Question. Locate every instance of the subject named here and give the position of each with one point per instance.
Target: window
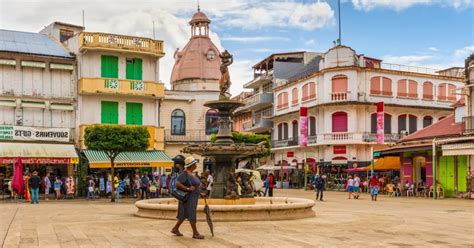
(381, 86)
(309, 91)
(283, 131)
(387, 123)
(109, 112)
(134, 69)
(339, 84)
(134, 113)
(178, 122)
(282, 100)
(427, 120)
(294, 127)
(427, 91)
(407, 88)
(402, 123)
(339, 122)
(212, 121)
(446, 92)
(312, 126)
(294, 96)
(109, 66)
(65, 34)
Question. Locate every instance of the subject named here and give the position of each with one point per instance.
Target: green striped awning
(99, 159)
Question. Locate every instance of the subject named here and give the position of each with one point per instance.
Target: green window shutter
(109, 112)
(134, 69)
(129, 69)
(134, 115)
(109, 66)
(138, 69)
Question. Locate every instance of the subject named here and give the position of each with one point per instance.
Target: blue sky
(430, 33)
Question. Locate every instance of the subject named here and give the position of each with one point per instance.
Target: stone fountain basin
(263, 208)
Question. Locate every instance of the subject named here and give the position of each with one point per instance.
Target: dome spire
(199, 8)
(199, 24)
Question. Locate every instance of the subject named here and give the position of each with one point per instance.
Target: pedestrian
(57, 187)
(101, 185)
(127, 185)
(91, 189)
(47, 186)
(210, 181)
(144, 184)
(350, 186)
(374, 187)
(163, 184)
(356, 186)
(271, 184)
(265, 184)
(188, 182)
(34, 184)
(136, 186)
(319, 187)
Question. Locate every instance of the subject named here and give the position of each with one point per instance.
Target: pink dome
(199, 17)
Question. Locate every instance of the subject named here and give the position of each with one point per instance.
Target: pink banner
(380, 123)
(303, 127)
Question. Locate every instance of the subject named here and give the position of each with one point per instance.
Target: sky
(429, 33)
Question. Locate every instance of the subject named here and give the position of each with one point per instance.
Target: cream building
(194, 81)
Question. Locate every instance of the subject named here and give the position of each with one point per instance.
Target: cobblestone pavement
(339, 222)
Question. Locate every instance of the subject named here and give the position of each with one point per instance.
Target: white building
(341, 98)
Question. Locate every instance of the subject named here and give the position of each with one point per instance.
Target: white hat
(189, 161)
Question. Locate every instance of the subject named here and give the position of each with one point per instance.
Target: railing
(408, 68)
(468, 124)
(114, 41)
(313, 139)
(285, 143)
(339, 96)
(380, 93)
(388, 137)
(337, 136)
(259, 77)
(265, 98)
(187, 136)
(428, 97)
(261, 124)
(310, 97)
(247, 125)
(121, 86)
(447, 98)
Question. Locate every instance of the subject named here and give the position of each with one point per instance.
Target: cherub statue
(246, 188)
(231, 187)
(224, 83)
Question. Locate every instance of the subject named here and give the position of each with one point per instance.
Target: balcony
(259, 101)
(190, 136)
(262, 125)
(339, 96)
(312, 139)
(259, 80)
(156, 139)
(120, 43)
(285, 143)
(468, 125)
(388, 137)
(126, 87)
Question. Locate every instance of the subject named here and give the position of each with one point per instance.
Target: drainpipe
(434, 168)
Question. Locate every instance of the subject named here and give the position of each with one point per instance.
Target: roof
(31, 43)
(153, 158)
(443, 128)
(277, 56)
(459, 102)
(401, 148)
(199, 17)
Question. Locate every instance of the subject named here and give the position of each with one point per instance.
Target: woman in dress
(188, 182)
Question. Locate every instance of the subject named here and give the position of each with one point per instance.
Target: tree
(115, 139)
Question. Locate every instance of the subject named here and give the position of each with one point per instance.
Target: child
(57, 187)
(91, 189)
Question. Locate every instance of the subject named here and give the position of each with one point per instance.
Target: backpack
(172, 186)
(318, 183)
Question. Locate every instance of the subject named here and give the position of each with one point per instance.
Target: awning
(386, 163)
(33, 153)
(457, 149)
(98, 159)
(274, 167)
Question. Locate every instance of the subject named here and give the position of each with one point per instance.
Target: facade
(37, 104)
(340, 98)
(194, 81)
(117, 84)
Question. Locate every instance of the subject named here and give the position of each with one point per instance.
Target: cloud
(254, 39)
(406, 59)
(464, 52)
(240, 73)
(367, 5)
(310, 42)
(434, 49)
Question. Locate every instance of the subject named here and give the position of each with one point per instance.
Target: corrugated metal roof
(144, 156)
(31, 43)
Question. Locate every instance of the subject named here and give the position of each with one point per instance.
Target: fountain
(225, 203)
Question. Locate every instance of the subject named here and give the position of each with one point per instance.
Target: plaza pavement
(339, 222)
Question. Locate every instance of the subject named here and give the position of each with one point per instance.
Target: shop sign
(380, 123)
(34, 133)
(36, 160)
(339, 150)
(290, 154)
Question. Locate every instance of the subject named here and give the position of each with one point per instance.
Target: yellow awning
(34, 150)
(386, 163)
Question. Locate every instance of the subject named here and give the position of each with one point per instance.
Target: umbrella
(207, 211)
(18, 183)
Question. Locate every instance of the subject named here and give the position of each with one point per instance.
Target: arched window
(387, 123)
(283, 131)
(446, 92)
(339, 122)
(405, 121)
(212, 122)
(294, 127)
(178, 122)
(407, 88)
(427, 120)
(312, 126)
(339, 88)
(381, 86)
(427, 91)
(309, 91)
(282, 100)
(294, 96)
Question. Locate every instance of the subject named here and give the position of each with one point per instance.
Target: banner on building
(303, 126)
(380, 123)
(34, 133)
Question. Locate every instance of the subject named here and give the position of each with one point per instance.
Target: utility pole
(83, 19)
(153, 29)
(339, 17)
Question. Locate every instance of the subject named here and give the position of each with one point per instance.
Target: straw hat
(189, 161)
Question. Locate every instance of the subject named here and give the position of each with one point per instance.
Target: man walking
(374, 187)
(34, 184)
(356, 186)
(319, 187)
(47, 186)
(144, 186)
(271, 184)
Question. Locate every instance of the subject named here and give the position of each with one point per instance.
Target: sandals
(177, 233)
(198, 236)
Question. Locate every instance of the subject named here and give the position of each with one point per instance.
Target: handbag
(180, 194)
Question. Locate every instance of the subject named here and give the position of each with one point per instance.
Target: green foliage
(114, 139)
(250, 138)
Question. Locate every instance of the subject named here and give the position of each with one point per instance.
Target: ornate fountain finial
(224, 83)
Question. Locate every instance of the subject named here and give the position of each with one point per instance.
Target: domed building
(194, 81)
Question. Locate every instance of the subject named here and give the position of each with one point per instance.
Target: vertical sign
(380, 123)
(303, 126)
